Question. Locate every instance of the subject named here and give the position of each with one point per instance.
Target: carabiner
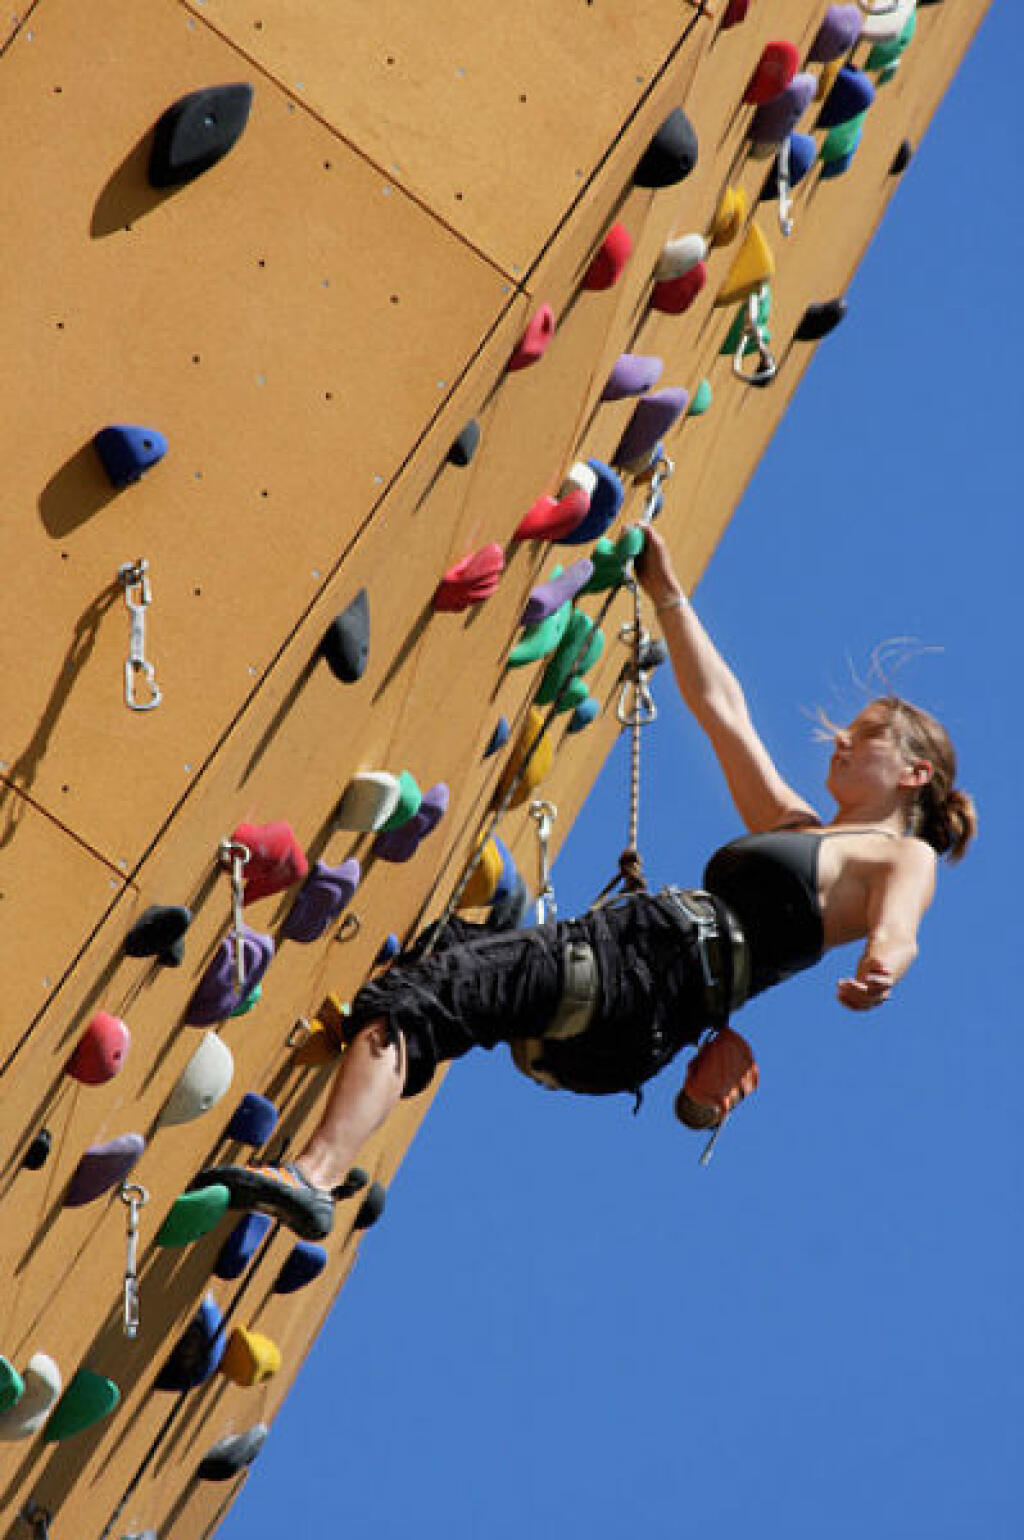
(138, 595)
(753, 332)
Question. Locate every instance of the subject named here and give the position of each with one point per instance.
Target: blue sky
(564, 1326)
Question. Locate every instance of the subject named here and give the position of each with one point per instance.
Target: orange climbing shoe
(280, 1191)
(722, 1072)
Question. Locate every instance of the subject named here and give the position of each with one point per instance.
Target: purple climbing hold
(632, 375)
(101, 1167)
(324, 894)
(837, 34)
(217, 994)
(652, 417)
(777, 119)
(548, 597)
(401, 844)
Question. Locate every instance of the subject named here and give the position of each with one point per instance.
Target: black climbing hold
(671, 154)
(253, 1120)
(356, 1180)
(346, 643)
(228, 1456)
(901, 160)
(196, 132)
(198, 1351)
(127, 451)
(818, 320)
(465, 446)
(372, 1207)
(158, 932)
(38, 1151)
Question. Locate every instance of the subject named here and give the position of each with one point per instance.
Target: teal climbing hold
(408, 805)
(842, 140)
(701, 399)
(541, 640)
(610, 558)
(12, 1386)
(248, 1002)
(885, 56)
(581, 638)
(735, 332)
(88, 1398)
(574, 695)
(193, 1215)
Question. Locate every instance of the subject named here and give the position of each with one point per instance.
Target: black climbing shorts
(480, 987)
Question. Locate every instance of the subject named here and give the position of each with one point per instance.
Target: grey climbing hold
(228, 1456)
(346, 642)
(465, 446)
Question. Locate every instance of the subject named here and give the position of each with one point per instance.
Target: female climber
(602, 1003)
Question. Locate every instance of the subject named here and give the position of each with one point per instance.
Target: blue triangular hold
(198, 1352)
(852, 94)
(128, 451)
(802, 154)
(605, 502)
(253, 1120)
(241, 1245)
(304, 1262)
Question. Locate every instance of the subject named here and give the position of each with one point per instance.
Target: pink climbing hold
(276, 859)
(533, 344)
(776, 67)
(101, 1050)
(609, 259)
(552, 519)
(675, 295)
(471, 580)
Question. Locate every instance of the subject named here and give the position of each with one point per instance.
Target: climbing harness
(234, 857)
(544, 814)
(754, 337)
(138, 596)
(135, 1198)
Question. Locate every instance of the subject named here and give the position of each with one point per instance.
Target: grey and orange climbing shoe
(280, 1191)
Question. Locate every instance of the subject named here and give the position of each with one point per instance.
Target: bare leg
(366, 1088)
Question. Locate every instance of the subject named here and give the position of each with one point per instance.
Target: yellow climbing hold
(540, 761)
(479, 890)
(729, 217)
(752, 266)
(324, 1041)
(250, 1357)
(827, 79)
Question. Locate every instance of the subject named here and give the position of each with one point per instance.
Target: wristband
(680, 602)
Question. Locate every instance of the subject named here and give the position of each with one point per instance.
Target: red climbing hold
(533, 343)
(609, 259)
(675, 295)
(775, 69)
(471, 580)
(735, 12)
(101, 1050)
(276, 859)
(551, 519)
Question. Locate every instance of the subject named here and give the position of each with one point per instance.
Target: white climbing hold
(43, 1386)
(369, 800)
(580, 478)
(202, 1082)
(679, 256)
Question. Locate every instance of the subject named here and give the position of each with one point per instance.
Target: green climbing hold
(610, 558)
(252, 998)
(12, 1386)
(575, 655)
(575, 694)
(732, 337)
(884, 56)
(888, 74)
(88, 1398)
(540, 640)
(409, 799)
(842, 140)
(701, 399)
(193, 1215)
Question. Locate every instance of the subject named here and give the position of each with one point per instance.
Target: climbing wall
(290, 339)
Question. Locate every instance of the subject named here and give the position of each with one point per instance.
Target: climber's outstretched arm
(714, 695)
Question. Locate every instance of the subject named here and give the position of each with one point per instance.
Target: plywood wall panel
(292, 360)
(53, 895)
(494, 119)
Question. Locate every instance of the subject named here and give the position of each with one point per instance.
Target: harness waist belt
(724, 952)
(574, 1014)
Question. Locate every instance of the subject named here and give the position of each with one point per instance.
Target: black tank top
(770, 881)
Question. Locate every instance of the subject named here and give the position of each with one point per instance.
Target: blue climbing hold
(852, 94)
(241, 1245)
(198, 1351)
(253, 1120)
(605, 502)
(304, 1262)
(127, 452)
(584, 714)
(390, 947)
(837, 167)
(498, 738)
(802, 155)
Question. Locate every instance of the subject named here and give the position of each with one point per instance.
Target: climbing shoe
(280, 1191)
